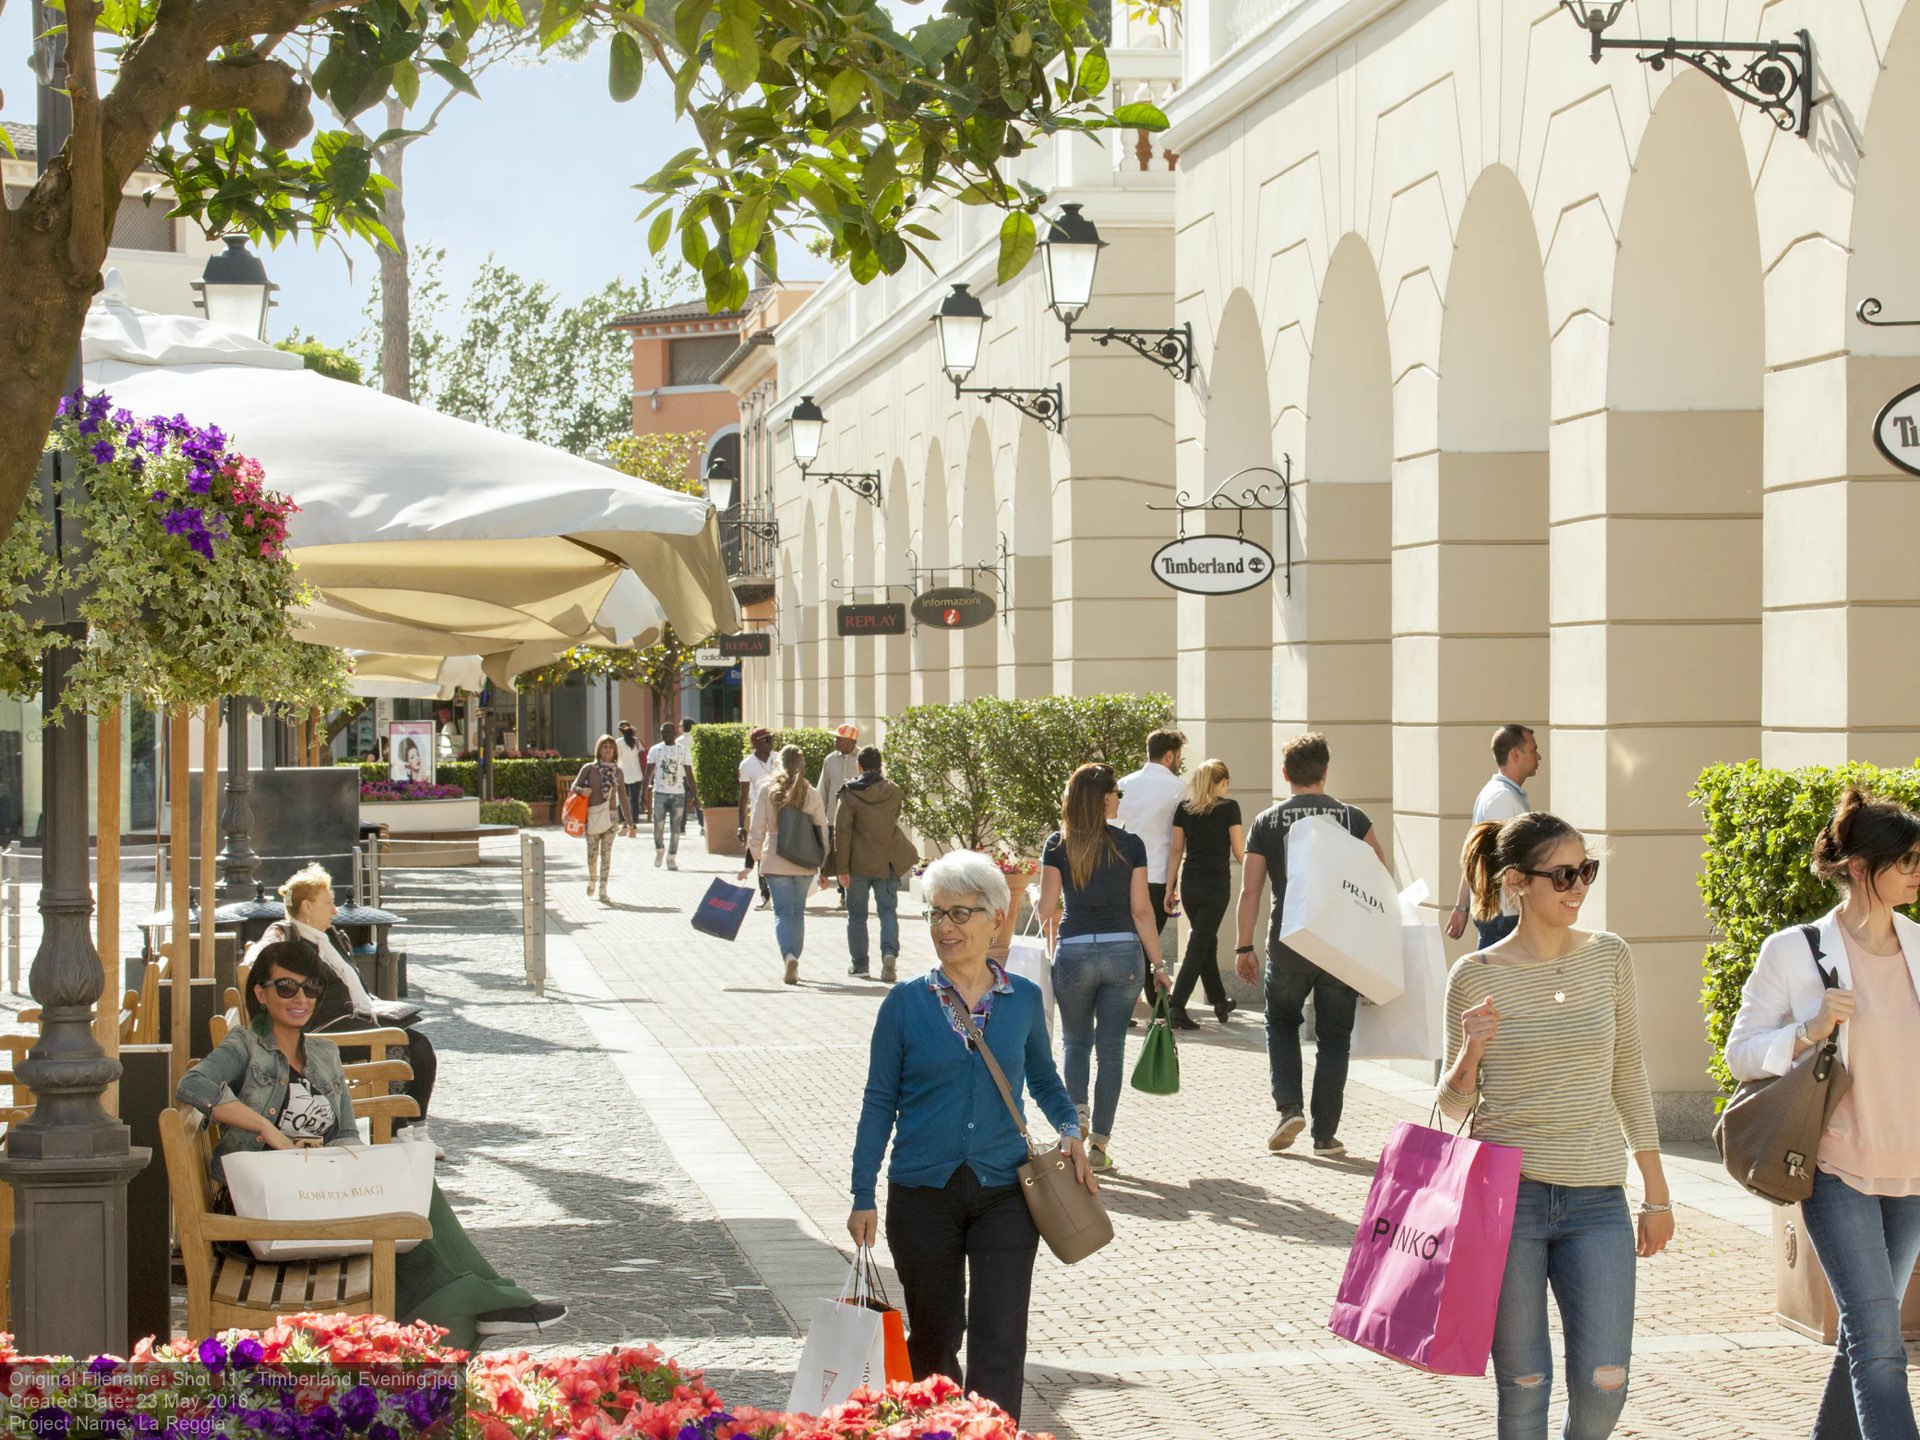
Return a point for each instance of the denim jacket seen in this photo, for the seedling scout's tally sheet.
(248, 1067)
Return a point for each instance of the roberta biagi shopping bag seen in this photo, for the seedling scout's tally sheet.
(846, 1348)
(1422, 1283)
(1341, 910)
(723, 909)
(330, 1182)
(1413, 1027)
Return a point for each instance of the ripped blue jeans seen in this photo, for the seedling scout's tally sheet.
(1577, 1239)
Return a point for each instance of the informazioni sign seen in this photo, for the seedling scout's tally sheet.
(1213, 564)
(953, 607)
(1896, 430)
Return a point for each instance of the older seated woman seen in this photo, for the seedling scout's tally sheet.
(346, 1005)
(957, 1224)
(271, 1085)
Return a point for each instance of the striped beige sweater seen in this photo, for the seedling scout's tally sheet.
(1563, 1079)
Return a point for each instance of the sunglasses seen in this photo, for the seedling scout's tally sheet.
(958, 914)
(1563, 876)
(286, 987)
(1119, 792)
(1908, 863)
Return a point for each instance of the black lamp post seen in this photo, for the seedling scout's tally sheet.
(1072, 250)
(720, 483)
(961, 324)
(238, 860)
(807, 425)
(68, 1163)
(233, 291)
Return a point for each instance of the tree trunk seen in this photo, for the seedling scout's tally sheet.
(43, 307)
(396, 297)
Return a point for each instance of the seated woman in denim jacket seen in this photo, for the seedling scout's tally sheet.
(271, 1086)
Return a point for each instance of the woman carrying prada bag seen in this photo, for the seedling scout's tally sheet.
(963, 1191)
(1863, 1216)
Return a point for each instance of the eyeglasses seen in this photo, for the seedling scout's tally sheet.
(1563, 876)
(286, 987)
(958, 914)
(1119, 792)
(1908, 863)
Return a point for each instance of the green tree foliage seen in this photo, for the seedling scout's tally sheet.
(323, 359)
(828, 119)
(1755, 876)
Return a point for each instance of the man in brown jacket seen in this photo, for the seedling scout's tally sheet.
(872, 856)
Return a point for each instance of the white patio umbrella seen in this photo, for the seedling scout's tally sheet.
(420, 522)
(414, 677)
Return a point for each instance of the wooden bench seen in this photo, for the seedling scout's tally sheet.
(226, 1290)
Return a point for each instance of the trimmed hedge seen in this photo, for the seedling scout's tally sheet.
(1756, 876)
(991, 771)
(506, 812)
(717, 751)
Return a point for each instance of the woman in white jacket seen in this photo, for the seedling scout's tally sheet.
(1864, 1215)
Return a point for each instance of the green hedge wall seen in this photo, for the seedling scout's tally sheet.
(717, 751)
(990, 771)
(505, 812)
(1755, 876)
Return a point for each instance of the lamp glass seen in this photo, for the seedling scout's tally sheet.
(719, 483)
(960, 344)
(236, 307)
(808, 425)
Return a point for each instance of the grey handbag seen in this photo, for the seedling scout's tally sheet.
(1769, 1133)
(797, 840)
(1069, 1217)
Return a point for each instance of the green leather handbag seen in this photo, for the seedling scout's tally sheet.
(1157, 1071)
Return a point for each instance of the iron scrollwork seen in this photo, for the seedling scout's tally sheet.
(864, 483)
(1169, 349)
(1047, 404)
(1869, 314)
(1267, 497)
(1773, 76)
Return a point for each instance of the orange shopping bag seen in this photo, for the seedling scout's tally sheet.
(872, 1293)
(573, 815)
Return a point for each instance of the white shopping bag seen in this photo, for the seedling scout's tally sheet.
(1342, 911)
(846, 1348)
(329, 1183)
(1413, 1027)
(1027, 957)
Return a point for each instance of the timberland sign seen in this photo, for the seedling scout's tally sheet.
(1896, 430)
(1213, 564)
(953, 607)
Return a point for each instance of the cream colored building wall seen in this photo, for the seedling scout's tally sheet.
(1564, 359)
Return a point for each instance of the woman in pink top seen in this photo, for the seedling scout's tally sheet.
(1864, 1215)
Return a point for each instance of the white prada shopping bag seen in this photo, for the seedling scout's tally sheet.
(1414, 1026)
(329, 1183)
(1342, 911)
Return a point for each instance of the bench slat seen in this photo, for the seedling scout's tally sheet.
(231, 1276)
(326, 1282)
(359, 1279)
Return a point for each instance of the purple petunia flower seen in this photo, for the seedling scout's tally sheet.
(102, 1365)
(360, 1407)
(381, 1430)
(51, 1421)
(89, 426)
(248, 1352)
(103, 452)
(212, 1353)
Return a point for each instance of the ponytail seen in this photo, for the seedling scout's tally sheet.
(1493, 848)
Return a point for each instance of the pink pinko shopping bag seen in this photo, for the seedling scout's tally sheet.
(1423, 1279)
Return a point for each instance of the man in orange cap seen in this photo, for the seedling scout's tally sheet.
(836, 770)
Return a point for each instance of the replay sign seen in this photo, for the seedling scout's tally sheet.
(1213, 565)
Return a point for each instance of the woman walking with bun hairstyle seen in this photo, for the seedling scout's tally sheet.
(1544, 1055)
(1864, 1215)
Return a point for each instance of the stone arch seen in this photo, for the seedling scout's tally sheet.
(1027, 664)
(1334, 666)
(1656, 621)
(805, 625)
(1226, 694)
(896, 654)
(1470, 560)
(833, 672)
(863, 662)
(978, 540)
(787, 653)
(932, 649)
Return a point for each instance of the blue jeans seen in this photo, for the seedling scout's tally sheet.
(1290, 980)
(1867, 1244)
(1093, 985)
(1493, 931)
(790, 910)
(886, 899)
(672, 809)
(1578, 1239)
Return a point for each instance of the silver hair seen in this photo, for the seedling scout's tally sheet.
(965, 875)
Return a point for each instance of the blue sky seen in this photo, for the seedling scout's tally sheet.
(538, 171)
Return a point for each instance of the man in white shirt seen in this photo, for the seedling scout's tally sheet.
(668, 765)
(1148, 798)
(836, 770)
(1516, 759)
(755, 770)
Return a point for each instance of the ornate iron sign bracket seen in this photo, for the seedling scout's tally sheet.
(864, 483)
(1869, 314)
(1169, 349)
(1777, 80)
(1274, 496)
(1047, 404)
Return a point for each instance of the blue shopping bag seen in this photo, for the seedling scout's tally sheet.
(722, 909)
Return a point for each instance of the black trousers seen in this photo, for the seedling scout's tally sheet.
(1205, 900)
(1156, 897)
(965, 1255)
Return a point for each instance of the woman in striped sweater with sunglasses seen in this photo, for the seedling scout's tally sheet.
(1544, 1038)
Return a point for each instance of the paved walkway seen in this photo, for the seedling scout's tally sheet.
(664, 1140)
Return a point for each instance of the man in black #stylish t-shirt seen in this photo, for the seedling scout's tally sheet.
(1291, 978)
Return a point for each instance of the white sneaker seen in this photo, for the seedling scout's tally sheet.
(658, 856)
(792, 976)
(672, 864)
(419, 1135)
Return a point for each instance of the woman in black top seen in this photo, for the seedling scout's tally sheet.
(1208, 834)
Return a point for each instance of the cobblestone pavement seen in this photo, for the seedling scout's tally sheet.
(691, 1192)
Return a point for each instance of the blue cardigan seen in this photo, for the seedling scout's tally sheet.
(932, 1094)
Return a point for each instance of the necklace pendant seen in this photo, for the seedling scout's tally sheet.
(1559, 997)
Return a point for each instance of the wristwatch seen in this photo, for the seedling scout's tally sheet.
(1800, 1033)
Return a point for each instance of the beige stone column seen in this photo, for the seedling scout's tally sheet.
(1026, 663)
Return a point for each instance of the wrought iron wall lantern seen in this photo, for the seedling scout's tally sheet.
(1869, 310)
(808, 426)
(720, 481)
(1773, 76)
(961, 324)
(1072, 250)
(1273, 496)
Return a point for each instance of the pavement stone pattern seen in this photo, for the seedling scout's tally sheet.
(1206, 1315)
